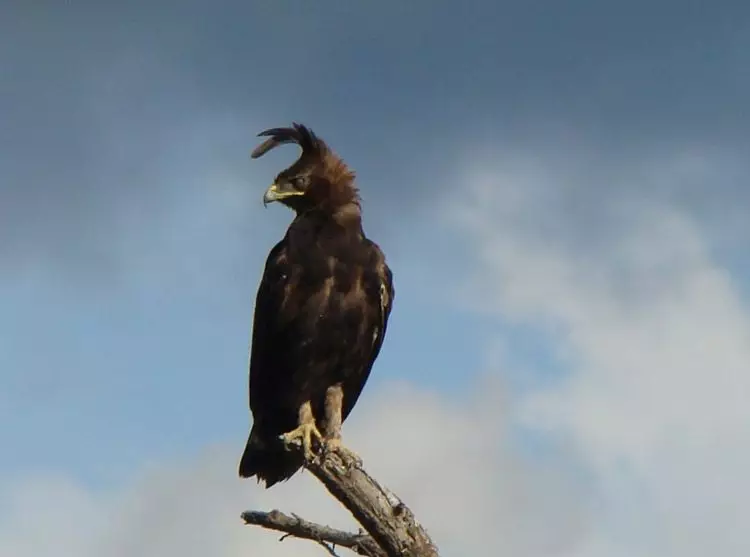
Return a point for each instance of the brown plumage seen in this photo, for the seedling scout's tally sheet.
(320, 314)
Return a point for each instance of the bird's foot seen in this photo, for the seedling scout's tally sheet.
(334, 445)
(303, 434)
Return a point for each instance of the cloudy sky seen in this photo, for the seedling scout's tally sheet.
(560, 189)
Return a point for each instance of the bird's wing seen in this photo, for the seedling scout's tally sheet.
(266, 320)
(385, 303)
(379, 292)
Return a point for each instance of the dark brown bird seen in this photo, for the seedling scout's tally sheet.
(320, 314)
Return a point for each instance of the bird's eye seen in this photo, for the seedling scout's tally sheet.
(300, 182)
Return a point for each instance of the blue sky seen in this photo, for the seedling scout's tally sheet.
(543, 177)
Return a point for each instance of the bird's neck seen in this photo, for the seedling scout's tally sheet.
(314, 225)
(348, 215)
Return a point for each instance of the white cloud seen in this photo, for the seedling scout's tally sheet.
(453, 464)
(655, 339)
(653, 332)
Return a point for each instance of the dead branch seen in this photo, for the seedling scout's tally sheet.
(393, 530)
(293, 525)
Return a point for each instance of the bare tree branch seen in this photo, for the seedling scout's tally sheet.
(393, 530)
(298, 527)
(385, 517)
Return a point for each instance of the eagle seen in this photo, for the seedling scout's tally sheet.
(321, 313)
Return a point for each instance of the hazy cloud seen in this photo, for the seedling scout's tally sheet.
(653, 335)
(452, 463)
(637, 447)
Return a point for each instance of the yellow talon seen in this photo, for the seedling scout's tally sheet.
(304, 433)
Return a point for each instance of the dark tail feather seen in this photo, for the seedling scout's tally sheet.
(268, 460)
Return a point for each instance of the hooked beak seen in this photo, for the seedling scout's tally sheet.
(276, 193)
(271, 195)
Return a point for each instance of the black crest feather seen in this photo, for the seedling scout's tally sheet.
(299, 134)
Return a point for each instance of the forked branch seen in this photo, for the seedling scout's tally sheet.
(297, 527)
(393, 530)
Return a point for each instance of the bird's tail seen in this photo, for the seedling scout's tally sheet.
(266, 458)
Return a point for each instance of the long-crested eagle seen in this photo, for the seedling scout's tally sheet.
(320, 314)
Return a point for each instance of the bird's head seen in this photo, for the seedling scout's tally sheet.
(318, 180)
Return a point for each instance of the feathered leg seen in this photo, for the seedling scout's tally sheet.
(304, 432)
(333, 407)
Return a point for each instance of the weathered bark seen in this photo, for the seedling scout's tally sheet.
(297, 527)
(393, 530)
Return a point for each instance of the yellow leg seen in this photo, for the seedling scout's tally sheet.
(333, 408)
(305, 432)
